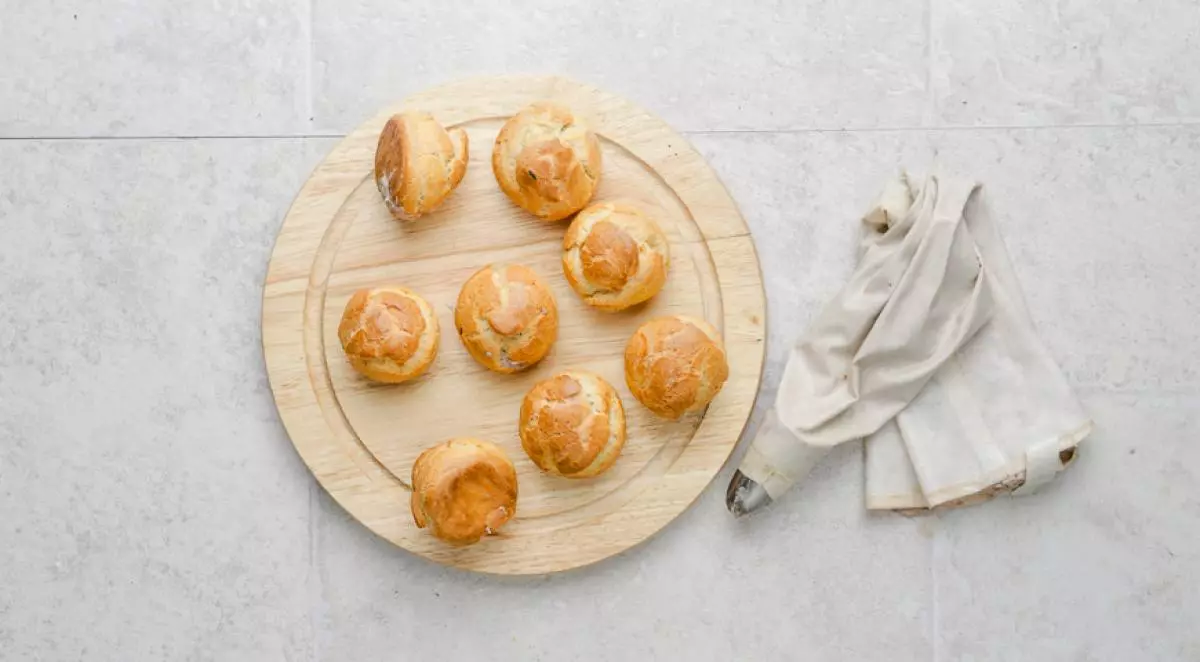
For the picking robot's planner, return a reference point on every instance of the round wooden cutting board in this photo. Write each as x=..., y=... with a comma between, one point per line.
x=360, y=439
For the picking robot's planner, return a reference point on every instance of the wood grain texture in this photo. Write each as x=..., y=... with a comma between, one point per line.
x=360, y=439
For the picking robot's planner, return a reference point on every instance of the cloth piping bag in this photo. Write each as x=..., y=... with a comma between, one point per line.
x=921, y=292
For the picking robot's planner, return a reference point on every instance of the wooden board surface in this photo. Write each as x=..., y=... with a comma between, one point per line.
x=360, y=439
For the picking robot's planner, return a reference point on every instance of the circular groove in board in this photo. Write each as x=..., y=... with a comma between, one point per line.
x=360, y=439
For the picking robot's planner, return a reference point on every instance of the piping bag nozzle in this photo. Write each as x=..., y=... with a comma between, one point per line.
x=745, y=496
x=775, y=460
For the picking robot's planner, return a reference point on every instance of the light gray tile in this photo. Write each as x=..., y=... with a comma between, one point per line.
x=1103, y=232
x=151, y=506
x=1101, y=228
x=1099, y=566
x=701, y=65
x=814, y=578
x=1032, y=62
x=1100, y=225
x=123, y=68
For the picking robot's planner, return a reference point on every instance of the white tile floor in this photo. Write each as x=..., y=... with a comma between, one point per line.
x=151, y=507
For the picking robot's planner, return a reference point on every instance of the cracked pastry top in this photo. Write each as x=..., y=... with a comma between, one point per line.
x=615, y=256
x=675, y=365
x=389, y=334
x=572, y=424
x=506, y=317
x=547, y=161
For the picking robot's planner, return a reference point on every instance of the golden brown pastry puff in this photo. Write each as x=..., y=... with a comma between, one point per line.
x=674, y=365
x=389, y=334
x=418, y=163
x=547, y=161
x=463, y=489
x=573, y=424
x=506, y=317
x=615, y=256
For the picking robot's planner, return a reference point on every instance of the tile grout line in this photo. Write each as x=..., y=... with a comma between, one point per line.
x=936, y=624
x=1184, y=123
x=931, y=114
x=316, y=591
x=932, y=119
x=309, y=68
x=1187, y=122
x=249, y=136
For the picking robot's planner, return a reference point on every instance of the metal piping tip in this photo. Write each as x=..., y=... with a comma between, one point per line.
x=745, y=496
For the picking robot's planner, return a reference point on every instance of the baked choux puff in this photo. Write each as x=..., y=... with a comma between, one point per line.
x=615, y=256
x=573, y=425
x=389, y=334
x=418, y=163
x=506, y=317
x=675, y=365
x=547, y=161
x=463, y=489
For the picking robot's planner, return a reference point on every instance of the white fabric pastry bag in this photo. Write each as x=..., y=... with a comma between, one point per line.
x=929, y=353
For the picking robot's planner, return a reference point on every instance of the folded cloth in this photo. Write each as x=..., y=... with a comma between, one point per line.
x=998, y=416
x=929, y=353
